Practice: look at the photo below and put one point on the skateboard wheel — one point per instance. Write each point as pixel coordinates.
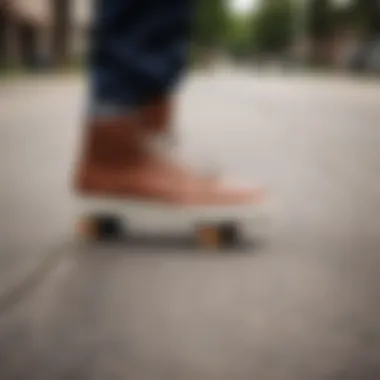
(86, 228)
(208, 237)
(218, 236)
(100, 227)
(230, 234)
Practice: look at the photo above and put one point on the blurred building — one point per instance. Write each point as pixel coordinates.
(42, 32)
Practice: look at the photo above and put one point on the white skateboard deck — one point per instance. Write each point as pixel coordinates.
(156, 216)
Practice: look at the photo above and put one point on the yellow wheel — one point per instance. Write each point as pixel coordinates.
(100, 227)
(218, 236)
(86, 228)
(208, 237)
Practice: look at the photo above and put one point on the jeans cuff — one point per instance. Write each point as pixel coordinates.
(99, 109)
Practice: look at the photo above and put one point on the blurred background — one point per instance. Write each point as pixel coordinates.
(330, 34)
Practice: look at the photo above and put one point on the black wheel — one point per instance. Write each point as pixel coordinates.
(101, 227)
(230, 234)
(218, 235)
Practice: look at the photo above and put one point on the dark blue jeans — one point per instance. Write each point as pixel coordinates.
(138, 51)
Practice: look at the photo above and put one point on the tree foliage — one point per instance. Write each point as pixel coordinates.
(62, 15)
(238, 36)
(320, 15)
(211, 23)
(366, 16)
(272, 26)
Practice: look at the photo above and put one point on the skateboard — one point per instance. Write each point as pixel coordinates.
(214, 227)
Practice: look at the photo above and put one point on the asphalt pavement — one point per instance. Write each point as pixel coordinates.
(303, 304)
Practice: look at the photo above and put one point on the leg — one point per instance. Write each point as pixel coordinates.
(138, 53)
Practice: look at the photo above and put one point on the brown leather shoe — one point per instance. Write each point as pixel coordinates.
(156, 116)
(118, 161)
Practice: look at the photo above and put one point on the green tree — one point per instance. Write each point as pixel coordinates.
(3, 37)
(272, 26)
(211, 23)
(366, 17)
(320, 19)
(62, 13)
(238, 41)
